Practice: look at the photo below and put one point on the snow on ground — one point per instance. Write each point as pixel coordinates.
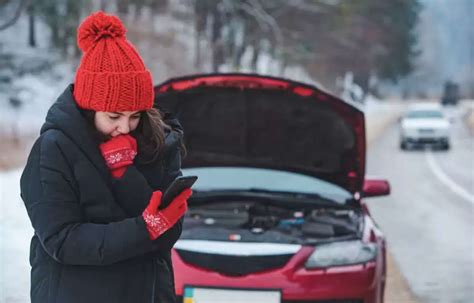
(15, 236)
(379, 115)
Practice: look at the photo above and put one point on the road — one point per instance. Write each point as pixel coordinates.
(428, 218)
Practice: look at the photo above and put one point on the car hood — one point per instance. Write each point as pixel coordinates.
(248, 120)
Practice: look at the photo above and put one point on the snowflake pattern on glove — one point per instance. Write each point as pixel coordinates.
(120, 156)
(156, 224)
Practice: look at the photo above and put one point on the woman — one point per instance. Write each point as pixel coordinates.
(92, 184)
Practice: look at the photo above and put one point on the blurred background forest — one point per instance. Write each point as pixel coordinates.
(408, 48)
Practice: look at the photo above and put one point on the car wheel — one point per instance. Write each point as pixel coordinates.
(403, 145)
(446, 146)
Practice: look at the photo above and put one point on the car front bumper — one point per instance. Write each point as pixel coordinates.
(345, 284)
(424, 135)
(426, 140)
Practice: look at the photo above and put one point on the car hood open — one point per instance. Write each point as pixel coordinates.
(248, 120)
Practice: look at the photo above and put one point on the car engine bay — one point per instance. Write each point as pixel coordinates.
(257, 221)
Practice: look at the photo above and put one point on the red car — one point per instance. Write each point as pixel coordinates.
(277, 213)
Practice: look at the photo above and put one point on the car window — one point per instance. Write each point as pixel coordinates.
(424, 114)
(238, 178)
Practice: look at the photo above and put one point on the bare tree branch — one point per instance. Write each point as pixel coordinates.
(255, 9)
(23, 4)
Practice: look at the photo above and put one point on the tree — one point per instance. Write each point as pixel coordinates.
(17, 10)
(32, 25)
(381, 33)
(368, 37)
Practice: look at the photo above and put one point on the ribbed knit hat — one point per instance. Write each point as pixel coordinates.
(111, 76)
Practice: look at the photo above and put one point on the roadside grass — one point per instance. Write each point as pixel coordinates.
(14, 151)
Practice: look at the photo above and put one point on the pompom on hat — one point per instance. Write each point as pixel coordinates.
(111, 76)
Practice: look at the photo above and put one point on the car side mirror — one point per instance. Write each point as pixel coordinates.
(375, 188)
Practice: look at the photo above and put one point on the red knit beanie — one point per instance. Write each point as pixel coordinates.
(111, 76)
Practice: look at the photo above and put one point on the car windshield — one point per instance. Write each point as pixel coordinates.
(255, 179)
(424, 114)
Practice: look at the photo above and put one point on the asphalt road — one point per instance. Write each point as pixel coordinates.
(428, 218)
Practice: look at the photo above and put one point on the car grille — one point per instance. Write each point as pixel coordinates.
(180, 299)
(233, 265)
(426, 131)
(425, 140)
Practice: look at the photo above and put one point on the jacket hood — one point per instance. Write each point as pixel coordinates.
(65, 116)
(249, 120)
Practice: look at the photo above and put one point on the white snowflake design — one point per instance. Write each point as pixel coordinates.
(119, 156)
(157, 222)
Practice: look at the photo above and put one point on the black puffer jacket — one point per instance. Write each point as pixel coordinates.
(91, 243)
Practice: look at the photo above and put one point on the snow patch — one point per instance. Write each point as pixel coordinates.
(15, 237)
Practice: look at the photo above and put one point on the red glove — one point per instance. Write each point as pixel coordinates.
(159, 221)
(119, 153)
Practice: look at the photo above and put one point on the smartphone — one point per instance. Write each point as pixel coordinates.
(176, 187)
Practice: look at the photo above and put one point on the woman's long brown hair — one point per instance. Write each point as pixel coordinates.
(150, 134)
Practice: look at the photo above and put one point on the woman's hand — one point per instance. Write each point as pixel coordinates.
(119, 153)
(159, 221)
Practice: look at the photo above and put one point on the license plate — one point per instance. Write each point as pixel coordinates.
(219, 295)
(426, 130)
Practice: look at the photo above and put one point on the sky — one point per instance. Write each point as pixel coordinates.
(446, 39)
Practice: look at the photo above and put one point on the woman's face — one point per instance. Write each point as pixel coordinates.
(112, 124)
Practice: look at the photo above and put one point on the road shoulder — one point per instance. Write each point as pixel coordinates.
(397, 289)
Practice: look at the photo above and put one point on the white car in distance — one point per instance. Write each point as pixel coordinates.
(424, 124)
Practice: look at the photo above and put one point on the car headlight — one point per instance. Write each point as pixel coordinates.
(341, 253)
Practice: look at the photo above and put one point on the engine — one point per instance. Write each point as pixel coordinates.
(262, 222)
